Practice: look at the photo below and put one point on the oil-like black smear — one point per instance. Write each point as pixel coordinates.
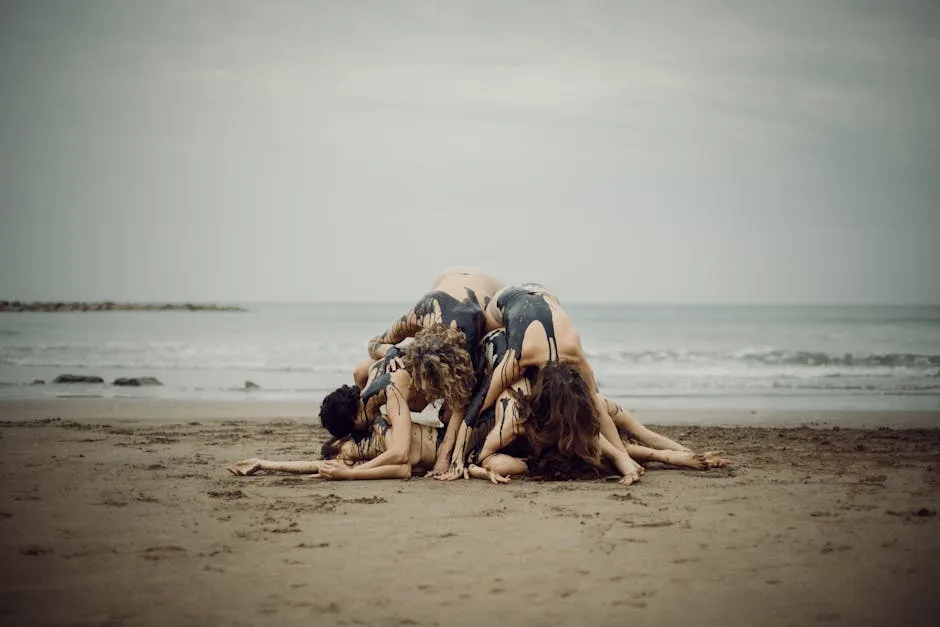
(466, 315)
(380, 377)
(476, 435)
(520, 306)
(494, 347)
(502, 422)
(371, 442)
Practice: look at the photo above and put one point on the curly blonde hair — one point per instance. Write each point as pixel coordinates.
(440, 366)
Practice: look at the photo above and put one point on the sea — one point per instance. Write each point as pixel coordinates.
(647, 356)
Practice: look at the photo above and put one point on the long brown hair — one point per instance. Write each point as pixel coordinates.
(440, 365)
(561, 424)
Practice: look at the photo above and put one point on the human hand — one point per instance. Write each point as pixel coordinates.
(630, 470)
(245, 467)
(334, 470)
(457, 471)
(440, 467)
(492, 475)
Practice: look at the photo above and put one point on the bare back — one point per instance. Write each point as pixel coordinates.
(458, 299)
(538, 330)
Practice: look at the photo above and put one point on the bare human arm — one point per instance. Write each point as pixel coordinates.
(404, 327)
(608, 428)
(442, 461)
(457, 468)
(504, 375)
(506, 429)
(248, 467)
(629, 469)
(398, 414)
(338, 470)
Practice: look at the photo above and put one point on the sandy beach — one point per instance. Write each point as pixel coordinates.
(122, 513)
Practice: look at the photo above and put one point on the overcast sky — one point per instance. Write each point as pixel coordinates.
(334, 151)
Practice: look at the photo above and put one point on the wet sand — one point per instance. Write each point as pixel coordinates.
(122, 513)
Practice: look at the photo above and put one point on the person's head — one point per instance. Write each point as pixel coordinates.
(440, 365)
(339, 448)
(339, 411)
(561, 424)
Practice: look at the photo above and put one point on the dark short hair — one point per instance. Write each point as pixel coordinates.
(330, 448)
(338, 410)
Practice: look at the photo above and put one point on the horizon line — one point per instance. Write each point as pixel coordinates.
(405, 302)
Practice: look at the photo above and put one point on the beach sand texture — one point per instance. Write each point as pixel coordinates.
(124, 521)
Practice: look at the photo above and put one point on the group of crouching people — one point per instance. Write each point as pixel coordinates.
(503, 370)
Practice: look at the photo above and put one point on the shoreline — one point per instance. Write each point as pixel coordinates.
(167, 411)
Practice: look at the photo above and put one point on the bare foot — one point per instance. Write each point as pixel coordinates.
(245, 467)
(714, 459)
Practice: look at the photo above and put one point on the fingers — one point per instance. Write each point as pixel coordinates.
(497, 478)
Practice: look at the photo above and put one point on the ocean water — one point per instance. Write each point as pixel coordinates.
(755, 357)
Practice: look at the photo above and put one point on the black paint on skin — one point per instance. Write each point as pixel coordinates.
(521, 306)
(476, 435)
(381, 378)
(467, 314)
(495, 345)
(369, 440)
(502, 422)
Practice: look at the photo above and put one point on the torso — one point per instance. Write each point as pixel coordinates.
(464, 313)
(424, 442)
(374, 394)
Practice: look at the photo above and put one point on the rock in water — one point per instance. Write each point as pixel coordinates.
(251, 385)
(136, 381)
(77, 378)
(38, 382)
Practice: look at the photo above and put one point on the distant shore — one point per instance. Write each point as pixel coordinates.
(8, 306)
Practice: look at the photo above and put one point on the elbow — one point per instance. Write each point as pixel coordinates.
(399, 458)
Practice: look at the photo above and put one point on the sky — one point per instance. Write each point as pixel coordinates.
(618, 151)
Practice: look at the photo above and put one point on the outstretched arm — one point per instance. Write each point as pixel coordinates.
(248, 467)
(404, 327)
(336, 470)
